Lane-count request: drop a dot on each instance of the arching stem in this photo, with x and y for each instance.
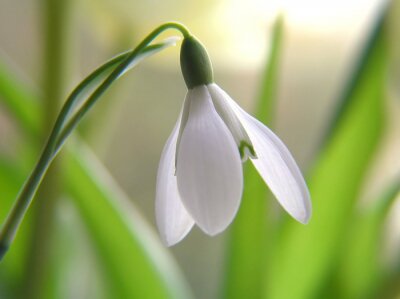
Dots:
(66, 121)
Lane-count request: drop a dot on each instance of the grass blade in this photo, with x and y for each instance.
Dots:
(248, 244)
(360, 272)
(137, 265)
(305, 255)
(12, 270)
(14, 96)
(133, 258)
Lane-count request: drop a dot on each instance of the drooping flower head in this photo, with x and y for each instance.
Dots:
(200, 176)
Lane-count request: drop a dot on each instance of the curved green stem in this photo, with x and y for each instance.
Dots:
(64, 131)
(127, 59)
(23, 201)
(67, 120)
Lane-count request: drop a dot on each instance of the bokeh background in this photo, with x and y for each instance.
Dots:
(66, 249)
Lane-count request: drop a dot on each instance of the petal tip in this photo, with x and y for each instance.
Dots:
(304, 216)
(170, 243)
(305, 220)
(213, 231)
(171, 240)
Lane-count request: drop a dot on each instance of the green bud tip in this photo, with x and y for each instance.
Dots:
(195, 63)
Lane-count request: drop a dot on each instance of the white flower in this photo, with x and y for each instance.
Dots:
(200, 176)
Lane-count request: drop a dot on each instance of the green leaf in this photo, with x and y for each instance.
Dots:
(89, 91)
(269, 84)
(356, 78)
(305, 255)
(12, 269)
(136, 263)
(360, 271)
(250, 232)
(14, 96)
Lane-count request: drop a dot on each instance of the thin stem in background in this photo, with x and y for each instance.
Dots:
(55, 31)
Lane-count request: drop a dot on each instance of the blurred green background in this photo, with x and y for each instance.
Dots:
(324, 75)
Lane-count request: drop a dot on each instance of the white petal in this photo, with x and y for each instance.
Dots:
(184, 117)
(233, 123)
(276, 165)
(209, 169)
(173, 221)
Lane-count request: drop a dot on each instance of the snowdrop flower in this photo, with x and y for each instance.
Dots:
(200, 179)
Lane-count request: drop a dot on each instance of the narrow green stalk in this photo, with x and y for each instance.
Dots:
(67, 120)
(115, 74)
(28, 190)
(55, 27)
(252, 232)
(23, 201)
(63, 127)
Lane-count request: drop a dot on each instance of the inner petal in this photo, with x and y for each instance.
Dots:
(233, 123)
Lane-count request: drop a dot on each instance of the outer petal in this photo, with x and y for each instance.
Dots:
(173, 221)
(275, 164)
(209, 169)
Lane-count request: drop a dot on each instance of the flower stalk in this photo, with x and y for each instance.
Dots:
(69, 117)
